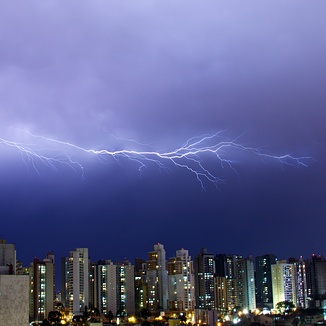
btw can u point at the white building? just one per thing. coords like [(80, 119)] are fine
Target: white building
[(115, 285), (42, 292), (77, 280), (246, 283), (181, 282), (157, 279)]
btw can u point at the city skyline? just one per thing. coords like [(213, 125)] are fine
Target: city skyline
[(208, 287), (144, 255), (149, 77)]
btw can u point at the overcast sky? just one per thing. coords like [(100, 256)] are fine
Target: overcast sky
[(148, 75)]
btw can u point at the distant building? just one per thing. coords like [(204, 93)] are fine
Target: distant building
[(114, 287), (316, 280), (283, 282), (319, 276), (245, 283), (140, 284), (264, 291), (126, 288), (221, 295), (42, 280), (76, 280), (204, 267), (226, 267), (7, 258), (64, 281), (300, 283), (157, 279), (181, 282), (235, 283)]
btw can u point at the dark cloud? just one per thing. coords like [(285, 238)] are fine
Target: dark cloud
[(161, 73)]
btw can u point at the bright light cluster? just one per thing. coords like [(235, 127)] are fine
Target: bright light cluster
[(195, 156)]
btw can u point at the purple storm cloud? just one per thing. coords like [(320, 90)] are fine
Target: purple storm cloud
[(92, 73)]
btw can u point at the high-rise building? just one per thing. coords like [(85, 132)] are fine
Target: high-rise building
[(115, 287), (264, 291), (7, 258), (235, 276), (226, 267), (93, 295), (283, 282), (64, 281), (319, 277), (157, 279), (76, 280), (300, 282), (42, 280), (126, 288), (204, 268), (181, 282), (245, 283), (140, 284), (221, 295)]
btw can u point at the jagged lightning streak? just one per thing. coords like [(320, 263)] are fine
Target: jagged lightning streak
[(190, 156)]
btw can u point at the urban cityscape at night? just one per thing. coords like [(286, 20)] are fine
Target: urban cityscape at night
[(205, 289), (163, 162)]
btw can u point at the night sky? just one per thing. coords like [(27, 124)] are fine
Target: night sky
[(149, 75)]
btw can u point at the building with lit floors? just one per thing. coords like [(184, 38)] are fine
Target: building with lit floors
[(42, 293), (113, 285), (75, 290), (300, 283), (204, 267), (181, 282), (234, 283), (126, 288), (226, 271), (157, 279), (221, 295), (245, 276), (264, 291), (140, 284), (283, 282)]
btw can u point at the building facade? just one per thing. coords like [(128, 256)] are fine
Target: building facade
[(42, 291), (76, 280), (283, 282), (204, 267), (181, 282), (264, 290), (157, 279)]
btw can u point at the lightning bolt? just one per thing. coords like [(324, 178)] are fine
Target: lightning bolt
[(191, 156)]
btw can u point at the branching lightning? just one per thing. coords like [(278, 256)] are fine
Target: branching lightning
[(192, 156)]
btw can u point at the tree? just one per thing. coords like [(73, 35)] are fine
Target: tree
[(54, 317), (45, 322), (144, 313), (78, 320), (109, 316), (284, 307)]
